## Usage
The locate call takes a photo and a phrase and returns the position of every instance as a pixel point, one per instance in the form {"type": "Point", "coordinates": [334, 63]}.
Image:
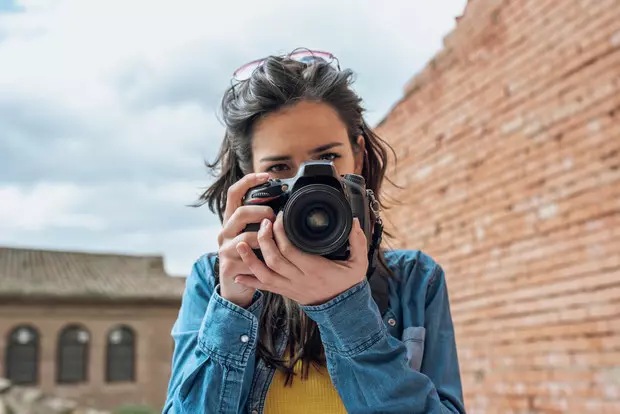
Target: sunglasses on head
{"type": "Point", "coordinates": [304, 56]}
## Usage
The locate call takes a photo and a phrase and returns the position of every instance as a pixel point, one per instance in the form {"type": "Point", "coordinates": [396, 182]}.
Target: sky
{"type": "Point", "coordinates": [108, 107]}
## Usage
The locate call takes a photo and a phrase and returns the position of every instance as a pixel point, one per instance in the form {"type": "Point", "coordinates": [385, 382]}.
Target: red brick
{"type": "Point", "coordinates": [510, 158]}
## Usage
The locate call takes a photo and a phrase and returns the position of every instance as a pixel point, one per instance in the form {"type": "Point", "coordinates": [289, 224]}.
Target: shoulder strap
{"type": "Point", "coordinates": [379, 283]}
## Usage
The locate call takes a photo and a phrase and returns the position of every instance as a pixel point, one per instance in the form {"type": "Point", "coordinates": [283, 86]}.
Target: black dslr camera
{"type": "Point", "coordinates": [318, 207]}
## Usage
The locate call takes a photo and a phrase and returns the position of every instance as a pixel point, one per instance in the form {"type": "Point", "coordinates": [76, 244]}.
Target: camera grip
{"type": "Point", "coordinates": [251, 227]}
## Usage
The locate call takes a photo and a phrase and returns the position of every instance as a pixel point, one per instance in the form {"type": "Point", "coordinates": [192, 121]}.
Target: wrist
{"type": "Point", "coordinates": [241, 299]}
{"type": "Point", "coordinates": [322, 301]}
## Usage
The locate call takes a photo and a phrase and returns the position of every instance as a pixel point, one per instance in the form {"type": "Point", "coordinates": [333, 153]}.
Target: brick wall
{"type": "Point", "coordinates": [509, 148]}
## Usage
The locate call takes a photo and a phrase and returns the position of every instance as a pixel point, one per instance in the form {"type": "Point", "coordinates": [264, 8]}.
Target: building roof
{"type": "Point", "coordinates": [29, 273]}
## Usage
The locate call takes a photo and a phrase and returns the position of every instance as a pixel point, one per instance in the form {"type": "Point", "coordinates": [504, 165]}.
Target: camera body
{"type": "Point", "coordinates": [318, 207]}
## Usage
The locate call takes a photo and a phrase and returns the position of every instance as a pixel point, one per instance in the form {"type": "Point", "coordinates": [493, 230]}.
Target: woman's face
{"type": "Point", "coordinates": [283, 140]}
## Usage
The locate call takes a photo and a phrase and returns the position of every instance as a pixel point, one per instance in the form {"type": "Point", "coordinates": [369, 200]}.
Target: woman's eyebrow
{"type": "Point", "coordinates": [326, 147]}
{"type": "Point", "coordinates": [276, 158]}
{"type": "Point", "coordinates": [316, 150]}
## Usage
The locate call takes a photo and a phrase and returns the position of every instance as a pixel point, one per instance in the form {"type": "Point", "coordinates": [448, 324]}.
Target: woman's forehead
{"type": "Point", "coordinates": [306, 124]}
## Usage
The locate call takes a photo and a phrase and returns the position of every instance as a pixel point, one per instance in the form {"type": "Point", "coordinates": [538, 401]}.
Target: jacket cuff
{"type": "Point", "coordinates": [350, 323]}
{"type": "Point", "coordinates": [229, 333]}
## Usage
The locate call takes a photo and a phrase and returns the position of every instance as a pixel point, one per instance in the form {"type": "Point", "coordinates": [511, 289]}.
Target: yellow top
{"type": "Point", "coordinates": [316, 395]}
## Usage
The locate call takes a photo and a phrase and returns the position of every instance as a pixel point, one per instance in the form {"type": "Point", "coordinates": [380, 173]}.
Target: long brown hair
{"type": "Point", "coordinates": [278, 83]}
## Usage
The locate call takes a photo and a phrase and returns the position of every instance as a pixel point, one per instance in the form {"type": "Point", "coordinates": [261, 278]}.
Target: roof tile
{"type": "Point", "coordinates": [62, 274]}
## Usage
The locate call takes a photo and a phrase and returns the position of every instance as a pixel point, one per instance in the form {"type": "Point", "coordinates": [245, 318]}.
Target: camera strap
{"type": "Point", "coordinates": [378, 284]}
{"type": "Point", "coordinates": [377, 234]}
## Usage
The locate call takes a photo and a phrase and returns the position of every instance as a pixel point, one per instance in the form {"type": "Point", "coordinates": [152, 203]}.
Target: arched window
{"type": "Point", "coordinates": [121, 355]}
{"type": "Point", "coordinates": [22, 355]}
{"type": "Point", "coordinates": [73, 346]}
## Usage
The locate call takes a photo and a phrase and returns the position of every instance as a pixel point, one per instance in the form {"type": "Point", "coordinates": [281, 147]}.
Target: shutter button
{"type": "Point", "coordinates": [245, 338]}
{"type": "Point", "coordinates": [254, 411]}
{"type": "Point", "coordinates": [392, 322]}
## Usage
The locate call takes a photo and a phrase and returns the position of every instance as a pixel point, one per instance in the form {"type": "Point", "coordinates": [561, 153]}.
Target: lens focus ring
{"type": "Point", "coordinates": [318, 219]}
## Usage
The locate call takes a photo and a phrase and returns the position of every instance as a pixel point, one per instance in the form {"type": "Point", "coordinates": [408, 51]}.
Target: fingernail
{"type": "Point", "coordinates": [262, 176]}
{"type": "Point", "coordinates": [356, 222]}
{"type": "Point", "coordinates": [242, 249]}
{"type": "Point", "coordinates": [280, 214]}
{"type": "Point", "coordinates": [265, 224]}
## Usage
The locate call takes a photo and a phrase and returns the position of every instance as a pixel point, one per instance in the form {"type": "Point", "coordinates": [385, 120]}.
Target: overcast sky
{"type": "Point", "coordinates": [107, 108]}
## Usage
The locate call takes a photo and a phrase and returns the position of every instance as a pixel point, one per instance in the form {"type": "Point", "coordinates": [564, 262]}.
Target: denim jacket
{"type": "Point", "coordinates": [390, 348]}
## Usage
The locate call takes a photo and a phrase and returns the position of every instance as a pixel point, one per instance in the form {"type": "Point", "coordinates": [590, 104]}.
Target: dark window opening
{"type": "Point", "coordinates": [121, 355]}
{"type": "Point", "coordinates": [22, 356]}
{"type": "Point", "coordinates": [73, 347]}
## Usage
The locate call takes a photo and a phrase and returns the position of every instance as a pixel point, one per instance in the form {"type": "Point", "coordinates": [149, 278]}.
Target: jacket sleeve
{"type": "Point", "coordinates": [215, 345]}
{"type": "Point", "coordinates": [371, 368]}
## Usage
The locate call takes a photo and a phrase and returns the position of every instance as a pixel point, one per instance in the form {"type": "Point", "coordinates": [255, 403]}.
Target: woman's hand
{"type": "Point", "coordinates": [236, 217]}
{"type": "Point", "coordinates": [307, 279]}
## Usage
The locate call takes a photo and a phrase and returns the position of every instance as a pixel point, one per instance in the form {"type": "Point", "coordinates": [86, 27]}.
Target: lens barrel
{"type": "Point", "coordinates": [318, 219]}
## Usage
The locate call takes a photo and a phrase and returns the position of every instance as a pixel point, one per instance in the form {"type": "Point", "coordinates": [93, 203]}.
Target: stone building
{"type": "Point", "coordinates": [93, 328]}
{"type": "Point", "coordinates": [509, 147]}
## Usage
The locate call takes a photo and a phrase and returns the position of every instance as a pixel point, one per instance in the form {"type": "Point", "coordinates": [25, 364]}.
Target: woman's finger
{"type": "Point", "coordinates": [269, 279]}
{"type": "Point", "coordinates": [245, 215]}
{"type": "Point", "coordinates": [229, 249]}
{"type": "Point", "coordinates": [286, 248]}
{"type": "Point", "coordinates": [234, 196]}
{"type": "Point", "coordinates": [271, 253]}
{"type": "Point", "coordinates": [233, 263]}
{"type": "Point", "coordinates": [250, 281]}
{"type": "Point", "coordinates": [251, 238]}
{"type": "Point", "coordinates": [359, 245]}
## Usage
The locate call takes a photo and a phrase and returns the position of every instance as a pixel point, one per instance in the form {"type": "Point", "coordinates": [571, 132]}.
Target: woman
{"type": "Point", "coordinates": [295, 332]}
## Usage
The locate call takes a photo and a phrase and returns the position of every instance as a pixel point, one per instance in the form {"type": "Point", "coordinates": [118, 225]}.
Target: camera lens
{"type": "Point", "coordinates": [318, 219]}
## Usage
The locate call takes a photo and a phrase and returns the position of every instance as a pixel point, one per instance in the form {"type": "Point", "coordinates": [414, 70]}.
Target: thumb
{"type": "Point", "coordinates": [359, 245]}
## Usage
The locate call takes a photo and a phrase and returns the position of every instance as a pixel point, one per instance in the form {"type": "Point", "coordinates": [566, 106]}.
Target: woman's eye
{"type": "Point", "coordinates": [329, 156]}
{"type": "Point", "coordinates": [277, 168]}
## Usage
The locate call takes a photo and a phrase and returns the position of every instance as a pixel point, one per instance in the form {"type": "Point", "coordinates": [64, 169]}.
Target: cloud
{"type": "Point", "coordinates": [120, 217]}
{"type": "Point", "coordinates": [108, 108]}
{"type": "Point", "coordinates": [119, 206]}
{"type": "Point", "coordinates": [43, 207]}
